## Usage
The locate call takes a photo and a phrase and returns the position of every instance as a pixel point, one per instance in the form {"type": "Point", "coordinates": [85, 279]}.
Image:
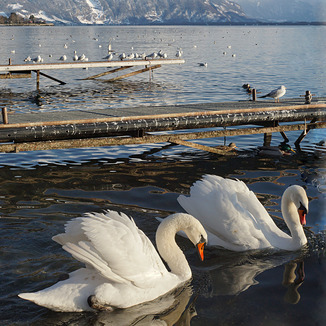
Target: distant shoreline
{"type": "Point", "coordinates": [28, 24]}
{"type": "Point", "coordinates": [183, 24]}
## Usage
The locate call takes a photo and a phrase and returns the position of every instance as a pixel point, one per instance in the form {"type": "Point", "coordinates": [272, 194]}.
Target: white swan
{"type": "Point", "coordinates": [123, 268]}
{"type": "Point", "coordinates": [235, 219]}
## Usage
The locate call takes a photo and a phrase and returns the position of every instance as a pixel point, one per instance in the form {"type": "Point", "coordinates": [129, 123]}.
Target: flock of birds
{"type": "Point", "coordinates": [111, 56]}
{"type": "Point", "coordinates": [123, 268]}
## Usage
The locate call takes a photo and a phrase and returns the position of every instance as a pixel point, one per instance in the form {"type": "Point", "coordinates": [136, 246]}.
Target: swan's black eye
{"type": "Point", "coordinates": [303, 208]}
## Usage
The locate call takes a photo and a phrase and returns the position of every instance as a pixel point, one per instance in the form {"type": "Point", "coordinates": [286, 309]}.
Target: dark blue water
{"type": "Point", "coordinates": [41, 191]}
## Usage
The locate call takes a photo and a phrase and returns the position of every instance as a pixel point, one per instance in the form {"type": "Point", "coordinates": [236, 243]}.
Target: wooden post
{"type": "Point", "coordinates": [254, 94]}
{"type": "Point", "coordinates": [267, 139]}
{"type": "Point", "coordinates": [150, 74]}
{"type": "Point", "coordinates": [38, 80]}
{"type": "Point", "coordinates": [9, 61]}
{"type": "Point", "coordinates": [4, 115]}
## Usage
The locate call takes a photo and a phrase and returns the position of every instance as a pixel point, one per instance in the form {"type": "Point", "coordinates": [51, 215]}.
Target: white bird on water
{"type": "Point", "coordinates": [276, 93]}
{"type": "Point", "coordinates": [236, 220]}
{"type": "Point", "coordinates": [123, 268]}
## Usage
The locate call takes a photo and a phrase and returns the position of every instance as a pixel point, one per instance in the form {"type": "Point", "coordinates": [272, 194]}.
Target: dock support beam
{"type": "Point", "coordinates": [38, 80]}
{"type": "Point", "coordinates": [304, 133]}
{"type": "Point", "coordinates": [38, 73]}
{"type": "Point", "coordinates": [5, 115]}
{"type": "Point", "coordinates": [267, 139]}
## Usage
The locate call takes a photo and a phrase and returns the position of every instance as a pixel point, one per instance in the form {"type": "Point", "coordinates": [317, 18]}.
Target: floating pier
{"type": "Point", "coordinates": [156, 124]}
{"type": "Point", "coordinates": [13, 71]}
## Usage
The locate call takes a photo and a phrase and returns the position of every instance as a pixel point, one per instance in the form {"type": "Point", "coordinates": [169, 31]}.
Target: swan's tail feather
{"type": "Point", "coordinates": [28, 296]}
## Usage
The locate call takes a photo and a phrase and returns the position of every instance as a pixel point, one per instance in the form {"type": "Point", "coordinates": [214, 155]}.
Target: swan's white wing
{"type": "Point", "coordinates": [231, 212]}
{"type": "Point", "coordinates": [113, 245]}
{"type": "Point", "coordinates": [73, 232]}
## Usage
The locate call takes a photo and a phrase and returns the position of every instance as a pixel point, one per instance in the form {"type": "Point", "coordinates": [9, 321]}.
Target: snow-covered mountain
{"type": "Point", "coordinates": [285, 10]}
{"type": "Point", "coordinates": [127, 11]}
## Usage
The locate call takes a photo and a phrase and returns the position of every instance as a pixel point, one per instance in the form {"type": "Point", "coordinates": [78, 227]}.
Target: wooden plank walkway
{"type": "Point", "coordinates": [14, 71]}
{"type": "Point", "coordinates": [121, 126]}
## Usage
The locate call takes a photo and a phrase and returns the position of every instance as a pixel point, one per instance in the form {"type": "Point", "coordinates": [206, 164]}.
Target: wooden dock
{"type": "Point", "coordinates": [123, 126]}
{"type": "Point", "coordinates": [13, 71]}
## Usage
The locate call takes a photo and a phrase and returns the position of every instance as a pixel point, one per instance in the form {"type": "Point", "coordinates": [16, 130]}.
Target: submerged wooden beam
{"type": "Point", "coordinates": [118, 141]}
{"type": "Point", "coordinates": [107, 72]}
{"type": "Point", "coordinates": [215, 150]}
{"type": "Point", "coordinates": [134, 73]}
{"type": "Point", "coordinates": [50, 77]}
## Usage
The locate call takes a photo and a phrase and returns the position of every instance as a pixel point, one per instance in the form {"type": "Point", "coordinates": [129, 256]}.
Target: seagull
{"type": "Point", "coordinates": [276, 93]}
{"type": "Point", "coordinates": [162, 54]}
{"type": "Point", "coordinates": [202, 64]}
{"type": "Point", "coordinates": [130, 56]}
{"type": "Point", "coordinates": [178, 54]}
{"type": "Point", "coordinates": [75, 57]}
{"type": "Point", "coordinates": [122, 56]}
{"type": "Point", "coordinates": [151, 56]}
{"type": "Point", "coordinates": [27, 59]}
{"type": "Point", "coordinates": [109, 57]}
{"type": "Point", "coordinates": [82, 57]}
{"type": "Point", "coordinates": [63, 58]}
{"type": "Point", "coordinates": [38, 59]}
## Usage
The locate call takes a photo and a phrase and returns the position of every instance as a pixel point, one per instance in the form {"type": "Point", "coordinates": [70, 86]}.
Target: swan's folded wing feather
{"type": "Point", "coordinates": [85, 253]}
{"type": "Point", "coordinates": [229, 210]}
{"type": "Point", "coordinates": [116, 245]}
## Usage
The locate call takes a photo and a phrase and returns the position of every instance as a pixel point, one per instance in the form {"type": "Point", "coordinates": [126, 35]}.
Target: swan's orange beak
{"type": "Point", "coordinates": [200, 248]}
{"type": "Point", "coordinates": [302, 214]}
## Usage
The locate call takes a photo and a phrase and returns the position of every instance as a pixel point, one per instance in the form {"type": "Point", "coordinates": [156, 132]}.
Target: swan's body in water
{"type": "Point", "coordinates": [123, 268]}
{"type": "Point", "coordinates": [235, 219]}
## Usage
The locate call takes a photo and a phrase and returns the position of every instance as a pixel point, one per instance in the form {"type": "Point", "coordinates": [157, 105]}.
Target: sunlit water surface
{"type": "Point", "coordinates": [41, 191]}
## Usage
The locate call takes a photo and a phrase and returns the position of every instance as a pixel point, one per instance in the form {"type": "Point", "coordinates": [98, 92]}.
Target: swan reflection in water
{"type": "Point", "coordinates": [231, 273]}
{"type": "Point", "coordinates": [174, 308]}
{"type": "Point", "coordinates": [293, 281]}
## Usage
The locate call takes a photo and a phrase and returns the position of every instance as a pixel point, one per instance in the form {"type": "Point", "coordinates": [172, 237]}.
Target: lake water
{"type": "Point", "coordinates": [41, 191]}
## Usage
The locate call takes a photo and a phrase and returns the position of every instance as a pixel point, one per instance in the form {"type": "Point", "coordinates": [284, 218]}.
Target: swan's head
{"type": "Point", "coordinates": [181, 222]}
{"type": "Point", "coordinates": [297, 195]}
{"type": "Point", "coordinates": [196, 234]}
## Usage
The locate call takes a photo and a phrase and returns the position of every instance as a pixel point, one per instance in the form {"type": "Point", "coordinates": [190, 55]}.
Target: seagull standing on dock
{"type": "Point", "coordinates": [109, 57]}
{"type": "Point", "coordinates": [179, 53]}
{"type": "Point", "coordinates": [38, 59]}
{"type": "Point", "coordinates": [75, 56]}
{"type": "Point", "coordinates": [276, 93]}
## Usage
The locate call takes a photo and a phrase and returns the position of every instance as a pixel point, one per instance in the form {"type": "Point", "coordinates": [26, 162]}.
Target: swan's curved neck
{"type": "Point", "coordinates": [291, 218]}
{"type": "Point", "coordinates": [168, 248]}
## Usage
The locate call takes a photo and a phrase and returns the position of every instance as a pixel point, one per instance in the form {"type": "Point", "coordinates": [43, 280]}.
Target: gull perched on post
{"type": "Point", "coordinates": [276, 93]}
